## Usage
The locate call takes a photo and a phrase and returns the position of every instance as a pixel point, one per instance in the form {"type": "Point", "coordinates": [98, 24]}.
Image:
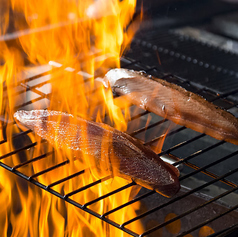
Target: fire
{"type": "Point", "coordinates": [83, 39]}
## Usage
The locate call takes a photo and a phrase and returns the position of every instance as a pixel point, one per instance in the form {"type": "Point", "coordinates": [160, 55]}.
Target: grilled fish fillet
{"type": "Point", "coordinates": [123, 155]}
{"type": "Point", "coordinates": [174, 103]}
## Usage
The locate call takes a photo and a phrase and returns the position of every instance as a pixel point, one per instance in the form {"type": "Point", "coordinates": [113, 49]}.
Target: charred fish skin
{"type": "Point", "coordinates": [123, 155]}
{"type": "Point", "coordinates": [174, 103]}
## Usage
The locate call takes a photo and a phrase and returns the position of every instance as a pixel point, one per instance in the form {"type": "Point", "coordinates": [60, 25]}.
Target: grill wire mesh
{"type": "Point", "coordinates": [207, 163]}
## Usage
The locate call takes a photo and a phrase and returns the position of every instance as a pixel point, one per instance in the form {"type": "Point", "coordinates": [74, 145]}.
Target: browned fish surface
{"type": "Point", "coordinates": [174, 103]}
{"type": "Point", "coordinates": [123, 155]}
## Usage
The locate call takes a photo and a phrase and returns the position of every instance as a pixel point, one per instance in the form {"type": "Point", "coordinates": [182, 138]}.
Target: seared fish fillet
{"type": "Point", "coordinates": [174, 103]}
{"type": "Point", "coordinates": [123, 155]}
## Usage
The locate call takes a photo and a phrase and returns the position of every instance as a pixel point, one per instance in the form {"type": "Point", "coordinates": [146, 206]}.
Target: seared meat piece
{"type": "Point", "coordinates": [109, 148]}
{"type": "Point", "coordinates": [174, 103]}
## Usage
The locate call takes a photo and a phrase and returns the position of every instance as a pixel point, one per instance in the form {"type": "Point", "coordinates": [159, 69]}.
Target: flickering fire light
{"type": "Point", "coordinates": [49, 60]}
{"type": "Point", "coordinates": [86, 36]}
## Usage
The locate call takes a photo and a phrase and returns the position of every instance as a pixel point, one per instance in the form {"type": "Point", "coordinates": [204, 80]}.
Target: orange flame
{"type": "Point", "coordinates": [76, 39]}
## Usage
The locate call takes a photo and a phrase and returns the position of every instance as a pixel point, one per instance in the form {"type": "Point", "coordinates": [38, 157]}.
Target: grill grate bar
{"type": "Point", "coordinates": [133, 62]}
{"type": "Point", "coordinates": [30, 102]}
{"type": "Point", "coordinates": [189, 211]}
{"type": "Point", "coordinates": [32, 160]}
{"type": "Point", "coordinates": [23, 176]}
{"type": "Point", "coordinates": [148, 127]}
{"type": "Point", "coordinates": [87, 186]}
{"type": "Point", "coordinates": [180, 197]}
{"type": "Point", "coordinates": [163, 135]}
{"type": "Point", "coordinates": [18, 150]}
{"type": "Point", "coordinates": [224, 95]}
{"type": "Point", "coordinates": [199, 152]}
{"type": "Point", "coordinates": [182, 144]}
{"type": "Point", "coordinates": [16, 135]}
{"type": "Point", "coordinates": [208, 221]}
{"type": "Point", "coordinates": [29, 79]}
{"type": "Point", "coordinates": [139, 115]}
{"type": "Point", "coordinates": [65, 179]}
{"type": "Point", "coordinates": [227, 231]}
{"type": "Point", "coordinates": [231, 106]}
{"type": "Point", "coordinates": [110, 193]}
{"type": "Point", "coordinates": [131, 118]}
{"type": "Point", "coordinates": [204, 171]}
{"type": "Point", "coordinates": [33, 88]}
{"type": "Point", "coordinates": [128, 203]}
{"type": "Point", "coordinates": [28, 88]}
{"type": "Point", "coordinates": [49, 169]}
{"type": "Point", "coordinates": [209, 165]}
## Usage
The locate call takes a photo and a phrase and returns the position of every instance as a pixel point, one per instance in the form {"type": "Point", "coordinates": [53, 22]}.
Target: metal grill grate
{"type": "Point", "coordinates": [208, 164]}
{"type": "Point", "coordinates": [184, 56]}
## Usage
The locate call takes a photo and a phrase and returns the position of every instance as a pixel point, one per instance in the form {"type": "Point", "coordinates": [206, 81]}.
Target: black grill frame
{"type": "Point", "coordinates": [130, 63]}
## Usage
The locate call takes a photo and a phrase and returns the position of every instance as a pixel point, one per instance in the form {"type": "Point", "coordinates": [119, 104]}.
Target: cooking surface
{"type": "Point", "coordinates": [175, 49]}
{"type": "Point", "coordinates": [208, 176]}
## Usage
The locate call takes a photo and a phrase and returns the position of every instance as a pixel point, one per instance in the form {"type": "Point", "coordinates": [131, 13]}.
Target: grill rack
{"type": "Point", "coordinates": [208, 65]}
{"type": "Point", "coordinates": [230, 185]}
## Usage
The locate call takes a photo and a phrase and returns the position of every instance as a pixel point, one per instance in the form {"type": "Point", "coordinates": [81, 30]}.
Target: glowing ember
{"type": "Point", "coordinates": [82, 37]}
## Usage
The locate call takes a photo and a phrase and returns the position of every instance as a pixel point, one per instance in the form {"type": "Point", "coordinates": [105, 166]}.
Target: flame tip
{"type": "Point", "coordinates": [77, 40]}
